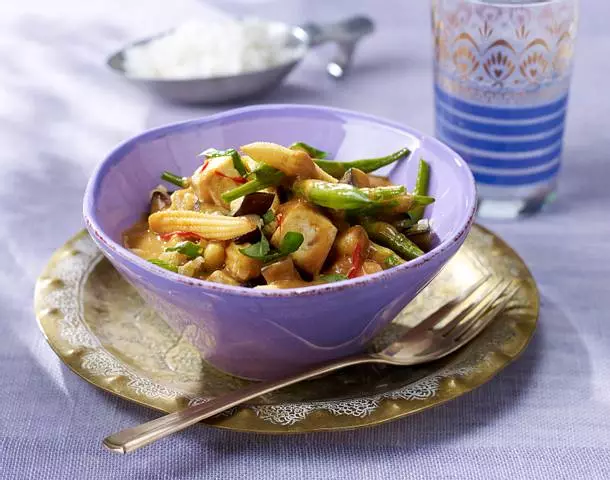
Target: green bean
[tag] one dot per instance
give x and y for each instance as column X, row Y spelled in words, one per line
column 392, row 261
column 384, row 256
column 387, row 235
column 175, row 179
column 339, row 196
column 268, row 217
column 342, row 196
column 238, row 163
column 262, row 177
column 384, row 193
column 409, row 229
column 421, row 188
column 243, row 190
column 338, row 169
column 406, row 203
column 313, row 152
column 266, row 173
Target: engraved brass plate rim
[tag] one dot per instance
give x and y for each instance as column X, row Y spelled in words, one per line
column 306, row 416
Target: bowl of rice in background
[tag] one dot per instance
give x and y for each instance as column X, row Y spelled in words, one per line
column 212, row 62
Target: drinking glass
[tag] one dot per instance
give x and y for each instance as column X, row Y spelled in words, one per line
column 502, row 76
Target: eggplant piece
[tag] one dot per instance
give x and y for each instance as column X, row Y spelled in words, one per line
column 159, row 199
column 379, row 181
column 410, row 229
column 419, row 233
column 256, row 203
column 356, row 177
column 283, row 193
column 251, row 237
column 425, row 241
column 254, row 282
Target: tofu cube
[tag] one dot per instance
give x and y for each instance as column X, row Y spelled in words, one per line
column 318, row 235
column 281, row 270
column 214, row 180
column 239, row 266
column 218, row 276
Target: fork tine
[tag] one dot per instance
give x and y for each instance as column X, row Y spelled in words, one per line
column 440, row 314
column 471, row 328
column 474, row 328
column 473, row 303
column 485, row 303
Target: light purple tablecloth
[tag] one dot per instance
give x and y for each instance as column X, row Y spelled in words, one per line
column 546, row 416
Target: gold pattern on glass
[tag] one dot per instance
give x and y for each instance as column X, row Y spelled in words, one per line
column 512, row 46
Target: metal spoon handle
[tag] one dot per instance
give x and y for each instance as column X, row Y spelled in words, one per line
column 348, row 30
column 346, row 34
column 133, row 438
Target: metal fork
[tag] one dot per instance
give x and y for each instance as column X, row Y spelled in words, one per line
column 441, row 333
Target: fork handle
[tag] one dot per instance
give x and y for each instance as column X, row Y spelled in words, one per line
column 133, row 438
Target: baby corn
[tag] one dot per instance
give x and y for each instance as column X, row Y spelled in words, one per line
column 294, row 163
column 211, row 227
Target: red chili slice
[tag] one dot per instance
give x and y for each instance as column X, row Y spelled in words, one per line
column 279, row 218
column 357, row 262
column 182, row 234
column 235, row 179
column 203, row 167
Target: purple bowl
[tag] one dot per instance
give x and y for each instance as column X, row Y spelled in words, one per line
column 264, row 334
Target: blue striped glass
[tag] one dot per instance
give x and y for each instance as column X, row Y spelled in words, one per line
column 502, row 74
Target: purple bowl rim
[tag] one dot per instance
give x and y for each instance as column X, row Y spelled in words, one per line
column 133, row 260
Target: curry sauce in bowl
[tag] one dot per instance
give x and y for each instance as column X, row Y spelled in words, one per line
column 273, row 217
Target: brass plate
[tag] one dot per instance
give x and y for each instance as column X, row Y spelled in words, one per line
column 99, row 326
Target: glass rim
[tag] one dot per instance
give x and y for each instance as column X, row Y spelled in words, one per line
column 529, row 4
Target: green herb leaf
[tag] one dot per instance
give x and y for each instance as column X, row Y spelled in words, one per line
column 190, row 249
column 238, row 164
column 261, row 251
column 291, row 242
column 173, row 178
column 268, row 217
column 164, row 264
column 332, row 277
column 313, row 152
column 257, row 250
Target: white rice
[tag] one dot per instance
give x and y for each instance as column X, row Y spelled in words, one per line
column 220, row 48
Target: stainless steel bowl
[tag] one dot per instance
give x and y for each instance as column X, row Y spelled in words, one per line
column 210, row 90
